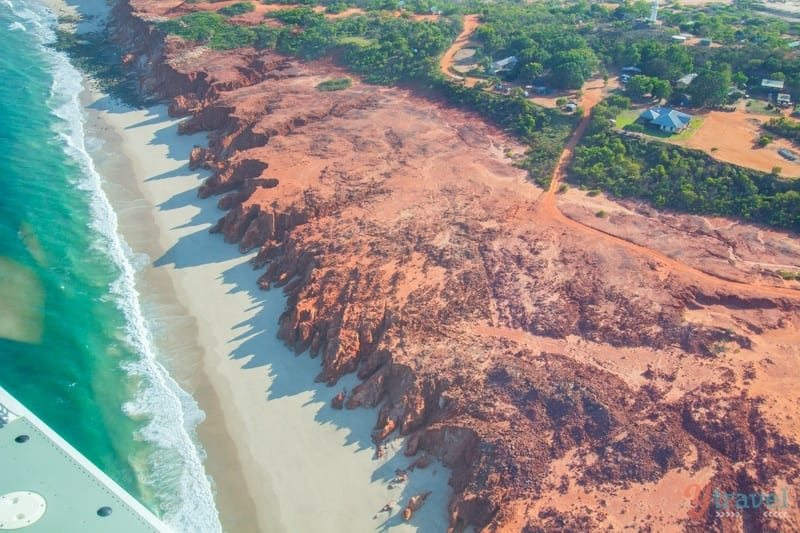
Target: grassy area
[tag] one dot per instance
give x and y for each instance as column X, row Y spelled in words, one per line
column 629, row 116
column 694, row 125
column 360, row 41
column 759, row 107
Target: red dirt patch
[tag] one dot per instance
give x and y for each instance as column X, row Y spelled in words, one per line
column 734, row 136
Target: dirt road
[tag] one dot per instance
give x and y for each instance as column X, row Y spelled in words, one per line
column 470, row 23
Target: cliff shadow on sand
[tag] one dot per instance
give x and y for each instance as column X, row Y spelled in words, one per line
column 283, row 424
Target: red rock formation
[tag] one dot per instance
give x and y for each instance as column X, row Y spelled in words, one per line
column 410, row 253
column 415, row 503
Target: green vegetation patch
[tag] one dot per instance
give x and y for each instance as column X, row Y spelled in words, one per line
column 627, row 117
column 238, row 8
column 784, row 127
column 214, row 30
column 300, row 16
column 761, row 107
column 357, row 41
column 336, row 84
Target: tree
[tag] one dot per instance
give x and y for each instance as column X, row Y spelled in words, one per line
column 530, row 71
column 710, row 87
column 739, row 79
column 627, row 54
column 680, row 61
column 582, row 58
column 568, row 76
column 662, row 89
column 639, row 86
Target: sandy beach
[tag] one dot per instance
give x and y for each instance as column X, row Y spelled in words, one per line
column 280, row 457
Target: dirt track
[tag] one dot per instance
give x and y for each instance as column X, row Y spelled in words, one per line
column 470, row 23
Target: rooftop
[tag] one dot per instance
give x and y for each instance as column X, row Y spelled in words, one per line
column 665, row 116
column 673, row 119
column 687, row 79
column 501, row 64
column 772, row 84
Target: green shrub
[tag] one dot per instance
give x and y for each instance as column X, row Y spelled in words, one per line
column 619, row 101
column 211, row 29
column 784, row 127
column 198, row 27
column 336, row 84
column 238, row 8
column 335, row 8
column 300, row 16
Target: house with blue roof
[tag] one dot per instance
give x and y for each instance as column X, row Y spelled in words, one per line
column 666, row 119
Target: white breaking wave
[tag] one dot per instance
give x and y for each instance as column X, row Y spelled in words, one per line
column 176, row 472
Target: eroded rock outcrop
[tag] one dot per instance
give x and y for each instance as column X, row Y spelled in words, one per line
column 501, row 343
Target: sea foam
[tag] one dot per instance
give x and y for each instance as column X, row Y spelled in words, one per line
column 175, row 471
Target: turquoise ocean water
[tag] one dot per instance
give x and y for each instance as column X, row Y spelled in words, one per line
column 74, row 344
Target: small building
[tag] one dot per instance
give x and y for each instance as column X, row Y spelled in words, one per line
column 505, row 64
column 631, row 70
column 783, row 100
column 666, row 119
column 772, row 84
column 705, row 42
column 679, row 38
column 685, row 81
column 570, row 107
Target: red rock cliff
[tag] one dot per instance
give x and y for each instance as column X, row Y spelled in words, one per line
column 513, row 349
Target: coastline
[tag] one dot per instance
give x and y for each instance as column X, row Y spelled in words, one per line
column 319, row 472
column 269, row 430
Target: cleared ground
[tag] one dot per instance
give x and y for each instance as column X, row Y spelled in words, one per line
column 732, row 137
